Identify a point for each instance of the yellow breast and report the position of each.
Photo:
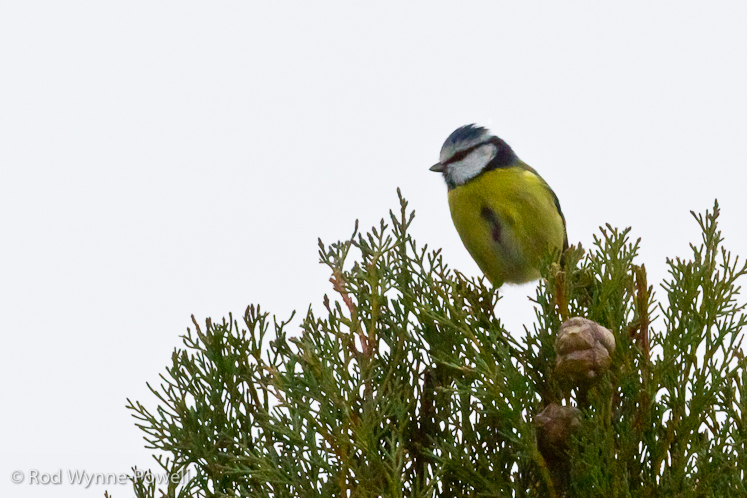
(508, 221)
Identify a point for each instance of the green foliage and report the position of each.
(407, 384)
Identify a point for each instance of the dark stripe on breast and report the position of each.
(495, 226)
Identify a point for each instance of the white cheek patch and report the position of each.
(471, 166)
(449, 149)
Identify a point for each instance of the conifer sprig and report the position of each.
(407, 384)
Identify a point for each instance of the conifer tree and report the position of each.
(406, 384)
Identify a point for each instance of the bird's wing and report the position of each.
(555, 199)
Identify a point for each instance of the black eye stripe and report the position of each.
(500, 145)
(463, 153)
(504, 157)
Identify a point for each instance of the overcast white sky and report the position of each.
(162, 159)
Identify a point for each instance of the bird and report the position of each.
(507, 216)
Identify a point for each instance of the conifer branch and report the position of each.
(442, 401)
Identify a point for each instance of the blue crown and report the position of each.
(467, 133)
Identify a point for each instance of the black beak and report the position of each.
(438, 168)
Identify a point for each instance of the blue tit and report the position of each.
(507, 216)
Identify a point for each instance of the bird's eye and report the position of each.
(461, 154)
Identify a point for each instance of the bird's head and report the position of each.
(469, 151)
